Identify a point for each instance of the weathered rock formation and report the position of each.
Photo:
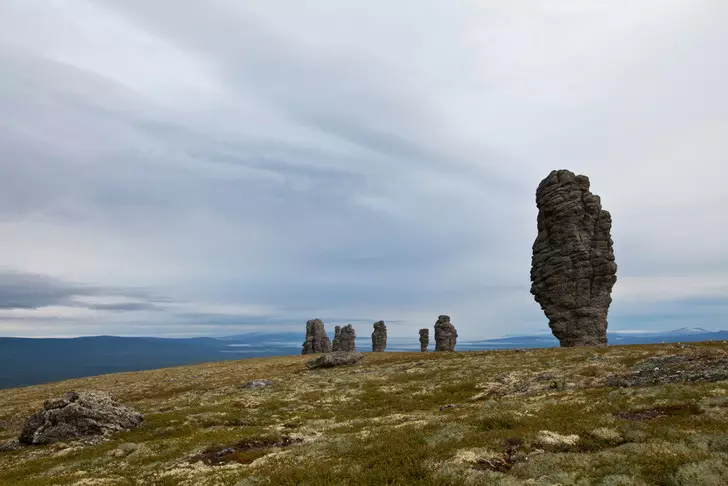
(316, 339)
(347, 338)
(573, 269)
(379, 337)
(445, 334)
(78, 414)
(338, 358)
(424, 339)
(336, 344)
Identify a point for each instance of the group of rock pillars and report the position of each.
(572, 273)
(318, 342)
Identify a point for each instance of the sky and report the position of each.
(221, 167)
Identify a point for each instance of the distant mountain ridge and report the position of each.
(30, 361)
(690, 330)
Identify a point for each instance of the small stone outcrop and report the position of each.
(379, 337)
(445, 334)
(76, 415)
(338, 358)
(257, 384)
(316, 339)
(424, 339)
(573, 268)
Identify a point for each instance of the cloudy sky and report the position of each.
(211, 168)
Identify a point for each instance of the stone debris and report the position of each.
(316, 339)
(445, 334)
(10, 445)
(78, 414)
(379, 337)
(257, 384)
(424, 339)
(573, 268)
(675, 368)
(338, 358)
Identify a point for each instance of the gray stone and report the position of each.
(257, 384)
(344, 339)
(10, 445)
(379, 337)
(572, 268)
(316, 339)
(424, 339)
(336, 344)
(128, 447)
(125, 449)
(338, 358)
(445, 334)
(78, 414)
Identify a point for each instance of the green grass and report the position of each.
(386, 427)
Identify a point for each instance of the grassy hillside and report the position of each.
(623, 415)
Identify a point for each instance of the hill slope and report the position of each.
(31, 361)
(623, 415)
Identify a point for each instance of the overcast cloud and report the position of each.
(210, 168)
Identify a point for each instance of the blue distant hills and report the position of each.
(30, 361)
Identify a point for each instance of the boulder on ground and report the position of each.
(76, 415)
(257, 384)
(10, 445)
(338, 358)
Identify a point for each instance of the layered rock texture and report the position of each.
(445, 334)
(316, 339)
(337, 339)
(424, 339)
(76, 415)
(338, 358)
(347, 338)
(572, 268)
(379, 337)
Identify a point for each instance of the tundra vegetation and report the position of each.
(619, 415)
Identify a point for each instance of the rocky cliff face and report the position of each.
(573, 268)
(379, 337)
(316, 339)
(445, 334)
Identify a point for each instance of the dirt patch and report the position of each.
(642, 415)
(243, 452)
(511, 456)
(666, 411)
